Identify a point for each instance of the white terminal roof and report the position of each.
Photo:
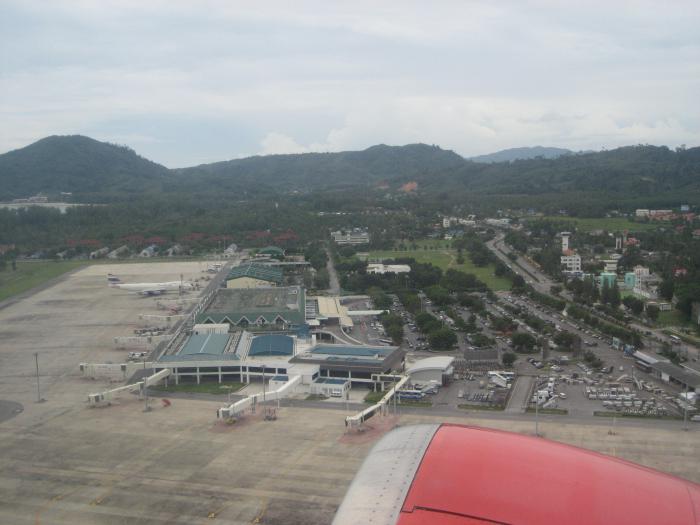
(442, 362)
(330, 308)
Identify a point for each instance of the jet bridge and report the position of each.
(237, 408)
(106, 397)
(364, 415)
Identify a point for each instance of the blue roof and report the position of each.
(271, 345)
(199, 344)
(353, 350)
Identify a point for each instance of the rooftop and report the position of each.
(256, 271)
(267, 345)
(353, 350)
(683, 375)
(213, 344)
(255, 303)
(443, 362)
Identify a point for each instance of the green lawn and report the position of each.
(608, 223)
(672, 318)
(31, 274)
(446, 258)
(202, 388)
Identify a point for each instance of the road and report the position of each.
(334, 288)
(543, 283)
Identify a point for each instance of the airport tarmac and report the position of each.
(65, 463)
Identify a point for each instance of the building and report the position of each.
(361, 365)
(630, 280)
(610, 265)
(572, 262)
(150, 251)
(486, 357)
(378, 268)
(230, 251)
(270, 251)
(252, 275)
(670, 373)
(280, 308)
(565, 236)
(98, 254)
(437, 369)
(175, 249)
(351, 237)
(641, 212)
(607, 278)
(118, 252)
(330, 387)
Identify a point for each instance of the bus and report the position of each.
(675, 339)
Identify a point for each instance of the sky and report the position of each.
(190, 82)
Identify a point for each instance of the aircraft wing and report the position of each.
(458, 475)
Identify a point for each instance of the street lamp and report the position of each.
(39, 399)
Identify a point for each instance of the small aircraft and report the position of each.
(149, 289)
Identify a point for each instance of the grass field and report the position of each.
(672, 318)
(610, 224)
(446, 258)
(202, 388)
(31, 274)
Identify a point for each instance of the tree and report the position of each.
(523, 342)
(634, 304)
(442, 339)
(427, 322)
(508, 359)
(653, 312)
(322, 279)
(567, 341)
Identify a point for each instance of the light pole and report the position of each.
(685, 409)
(39, 399)
(537, 407)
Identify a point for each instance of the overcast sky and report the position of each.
(189, 82)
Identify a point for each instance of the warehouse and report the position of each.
(252, 275)
(436, 369)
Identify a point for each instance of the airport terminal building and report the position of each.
(249, 333)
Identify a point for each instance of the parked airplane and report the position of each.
(150, 288)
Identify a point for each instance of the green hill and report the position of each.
(76, 164)
(314, 171)
(101, 172)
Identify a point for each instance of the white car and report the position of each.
(562, 395)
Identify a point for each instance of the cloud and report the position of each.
(189, 81)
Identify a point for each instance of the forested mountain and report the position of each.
(303, 172)
(76, 164)
(509, 155)
(100, 172)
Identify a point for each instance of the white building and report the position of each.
(378, 268)
(119, 252)
(351, 237)
(438, 369)
(565, 241)
(572, 262)
(150, 251)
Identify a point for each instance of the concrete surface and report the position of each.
(62, 462)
